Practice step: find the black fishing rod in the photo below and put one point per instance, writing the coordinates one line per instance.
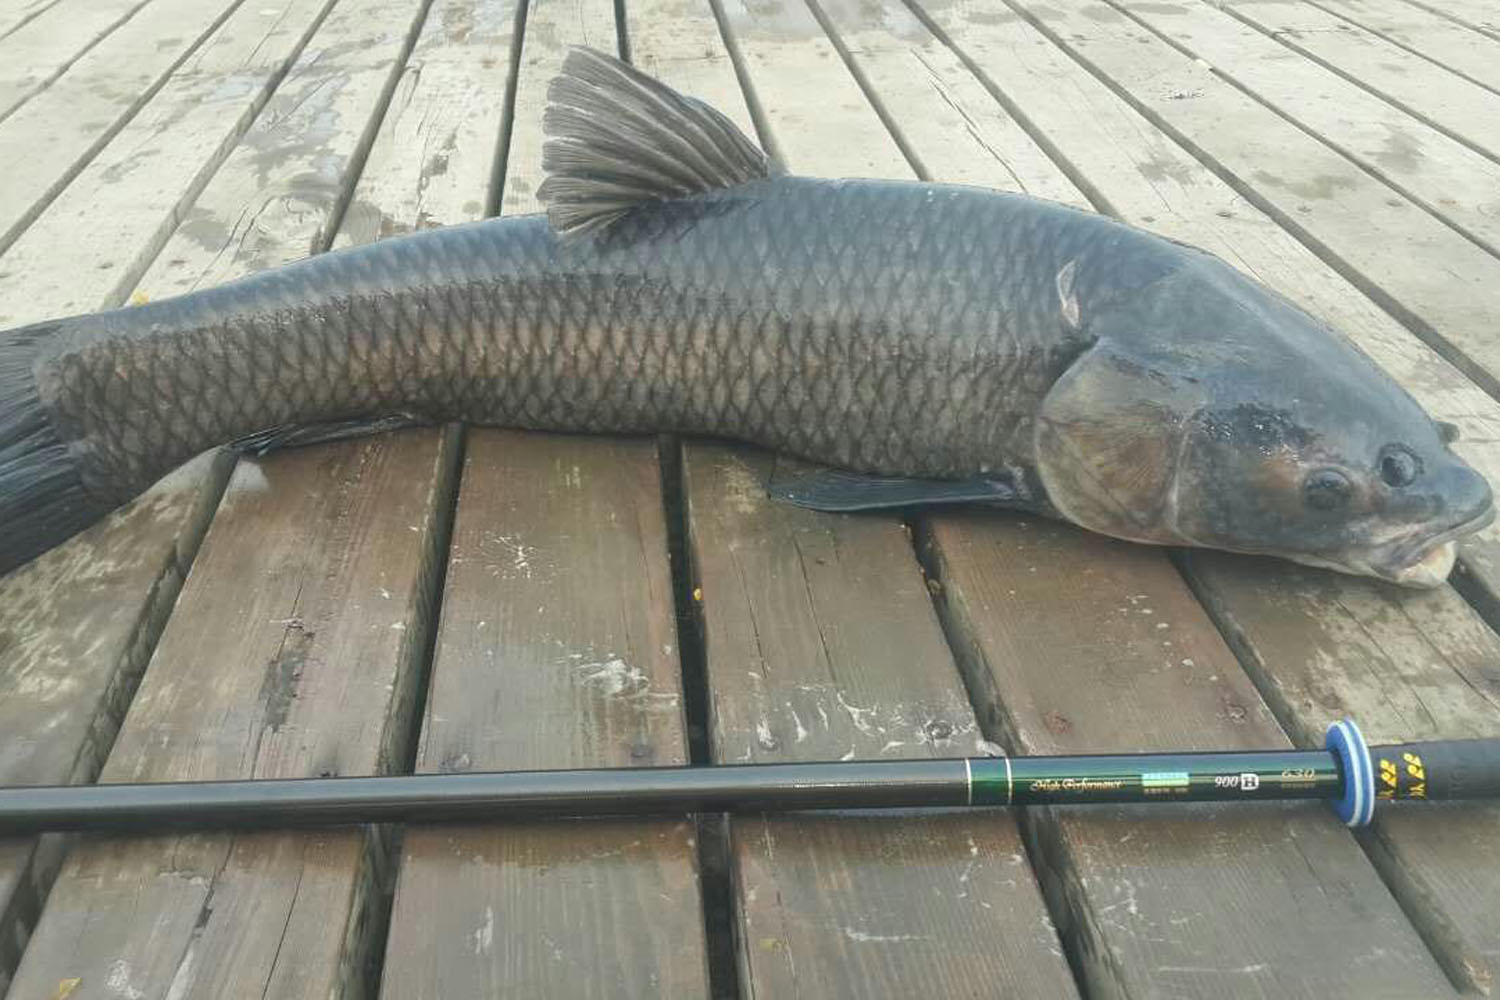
(1347, 772)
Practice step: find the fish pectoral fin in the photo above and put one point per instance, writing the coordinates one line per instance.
(297, 435)
(617, 138)
(841, 490)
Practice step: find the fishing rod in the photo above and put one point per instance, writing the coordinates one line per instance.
(1347, 772)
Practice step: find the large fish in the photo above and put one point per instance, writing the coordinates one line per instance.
(929, 343)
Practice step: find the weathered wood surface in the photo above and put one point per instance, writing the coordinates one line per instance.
(320, 688)
(821, 644)
(551, 26)
(40, 50)
(433, 160)
(1450, 179)
(291, 654)
(557, 648)
(150, 173)
(77, 626)
(1426, 91)
(48, 140)
(1075, 644)
(1407, 667)
(1456, 48)
(1479, 15)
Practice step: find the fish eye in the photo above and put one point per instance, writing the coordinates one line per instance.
(1399, 467)
(1327, 489)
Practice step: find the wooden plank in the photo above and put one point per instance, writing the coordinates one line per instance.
(681, 43)
(1448, 102)
(432, 162)
(321, 688)
(1447, 178)
(557, 649)
(551, 26)
(42, 49)
(1146, 179)
(845, 662)
(18, 13)
(311, 593)
(49, 139)
(199, 118)
(1460, 50)
(802, 85)
(1478, 15)
(1077, 644)
(80, 623)
(557, 646)
(822, 644)
(1377, 241)
(1406, 667)
(950, 123)
(280, 193)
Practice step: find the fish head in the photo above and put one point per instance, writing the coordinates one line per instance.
(1222, 416)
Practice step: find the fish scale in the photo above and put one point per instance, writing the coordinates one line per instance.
(928, 343)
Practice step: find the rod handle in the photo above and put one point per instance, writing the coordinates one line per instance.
(1443, 769)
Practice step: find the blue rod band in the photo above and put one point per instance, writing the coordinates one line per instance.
(1357, 805)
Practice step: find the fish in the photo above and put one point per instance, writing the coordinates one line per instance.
(919, 344)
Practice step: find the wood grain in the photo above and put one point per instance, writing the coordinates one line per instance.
(1144, 177)
(1077, 644)
(1456, 48)
(1398, 144)
(1405, 667)
(42, 49)
(292, 652)
(821, 644)
(48, 140)
(557, 648)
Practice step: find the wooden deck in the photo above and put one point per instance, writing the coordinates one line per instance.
(443, 600)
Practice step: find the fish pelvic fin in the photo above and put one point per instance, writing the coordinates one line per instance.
(617, 138)
(43, 498)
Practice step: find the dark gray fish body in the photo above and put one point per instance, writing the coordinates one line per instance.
(1038, 355)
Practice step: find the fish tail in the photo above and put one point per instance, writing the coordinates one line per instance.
(43, 499)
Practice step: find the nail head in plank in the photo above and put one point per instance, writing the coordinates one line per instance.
(822, 644)
(1078, 644)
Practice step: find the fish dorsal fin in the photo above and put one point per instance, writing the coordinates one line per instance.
(617, 138)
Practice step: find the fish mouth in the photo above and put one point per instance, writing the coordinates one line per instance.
(1426, 561)
(1421, 562)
